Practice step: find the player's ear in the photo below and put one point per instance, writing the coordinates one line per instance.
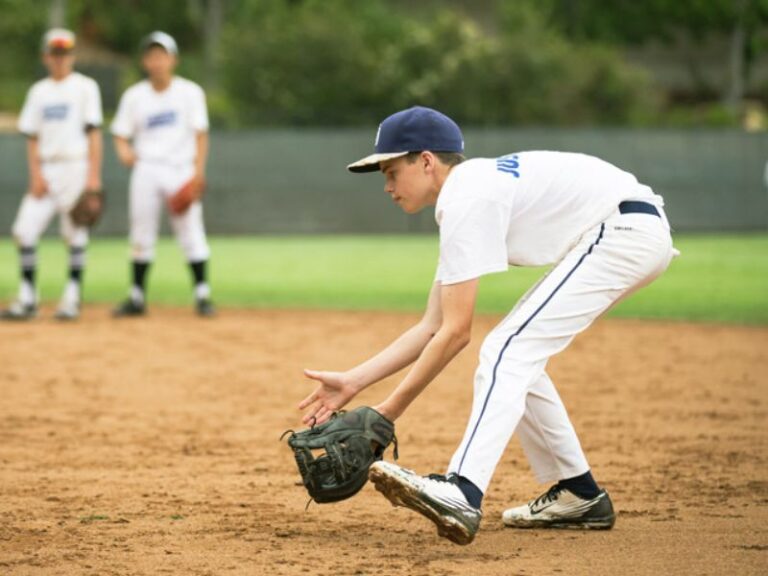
(428, 160)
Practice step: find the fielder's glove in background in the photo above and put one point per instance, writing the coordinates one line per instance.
(185, 196)
(351, 442)
(88, 208)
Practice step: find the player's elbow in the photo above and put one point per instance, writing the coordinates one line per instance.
(459, 335)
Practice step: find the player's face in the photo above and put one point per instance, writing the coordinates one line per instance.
(408, 184)
(158, 63)
(59, 65)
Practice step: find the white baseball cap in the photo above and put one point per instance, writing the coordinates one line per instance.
(162, 39)
(58, 41)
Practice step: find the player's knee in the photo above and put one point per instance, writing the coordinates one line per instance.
(23, 240)
(76, 237)
(142, 252)
(195, 251)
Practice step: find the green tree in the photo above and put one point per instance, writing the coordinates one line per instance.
(743, 22)
(343, 62)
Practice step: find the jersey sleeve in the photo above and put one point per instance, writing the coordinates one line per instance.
(123, 124)
(30, 119)
(93, 116)
(199, 112)
(472, 240)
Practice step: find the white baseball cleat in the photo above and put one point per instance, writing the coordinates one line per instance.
(435, 496)
(67, 311)
(560, 508)
(19, 311)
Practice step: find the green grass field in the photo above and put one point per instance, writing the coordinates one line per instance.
(721, 278)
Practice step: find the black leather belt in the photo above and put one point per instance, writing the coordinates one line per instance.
(637, 207)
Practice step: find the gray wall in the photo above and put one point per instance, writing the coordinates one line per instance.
(294, 181)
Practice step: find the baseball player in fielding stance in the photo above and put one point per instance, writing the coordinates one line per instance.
(61, 119)
(161, 132)
(605, 234)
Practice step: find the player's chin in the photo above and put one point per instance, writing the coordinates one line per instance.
(409, 207)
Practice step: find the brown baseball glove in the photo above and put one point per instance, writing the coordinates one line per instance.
(185, 196)
(88, 208)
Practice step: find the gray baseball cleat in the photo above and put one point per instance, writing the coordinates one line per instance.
(18, 311)
(129, 308)
(435, 496)
(558, 507)
(67, 311)
(205, 308)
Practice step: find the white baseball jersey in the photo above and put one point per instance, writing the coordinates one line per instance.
(524, 209)
(163, 125)
(58, 113)
(536, 208)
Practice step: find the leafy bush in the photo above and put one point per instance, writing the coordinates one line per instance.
(340, 62)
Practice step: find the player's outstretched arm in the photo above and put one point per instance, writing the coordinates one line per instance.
(95, 154)
(124, 151)
(201, 156)
(335, 389)
(458, 307)
(37, 184)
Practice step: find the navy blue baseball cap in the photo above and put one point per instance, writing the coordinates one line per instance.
(412, 130)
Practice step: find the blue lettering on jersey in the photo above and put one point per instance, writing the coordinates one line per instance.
(55, 112)
(162, 119)
(509, 164)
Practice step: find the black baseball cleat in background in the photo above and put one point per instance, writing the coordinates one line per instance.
(558, 507)
(205, 308)
(18, 312)
(130, 308)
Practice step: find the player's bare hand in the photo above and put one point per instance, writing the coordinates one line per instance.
(38, 187)
(332, 394)
(126, 155)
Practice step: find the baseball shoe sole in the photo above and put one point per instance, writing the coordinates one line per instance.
(18, 312)
(67, 313)
(558, 508)
(437, 498)
(129, 309)
(205, 308)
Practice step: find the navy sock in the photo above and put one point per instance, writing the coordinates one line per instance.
(471, 492)
(583, 486)
(140, 275)
(198, 271)
(76, 263)
(28, 258)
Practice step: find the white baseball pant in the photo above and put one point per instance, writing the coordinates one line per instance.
(66, 181)
(512, 391)
(150, 187)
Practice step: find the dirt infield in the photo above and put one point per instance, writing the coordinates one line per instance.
(151, 447)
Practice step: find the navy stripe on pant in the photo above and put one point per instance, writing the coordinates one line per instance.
(519, 330)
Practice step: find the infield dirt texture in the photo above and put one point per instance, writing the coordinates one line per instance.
(151, 447)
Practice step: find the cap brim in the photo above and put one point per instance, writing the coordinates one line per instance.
(152, 43)
(371, 163)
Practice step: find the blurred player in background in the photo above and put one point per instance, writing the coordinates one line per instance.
(62, 120)
(161, 132)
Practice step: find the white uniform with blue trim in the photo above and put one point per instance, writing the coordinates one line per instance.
(532, 209)
(58, 113)
(163, 127)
